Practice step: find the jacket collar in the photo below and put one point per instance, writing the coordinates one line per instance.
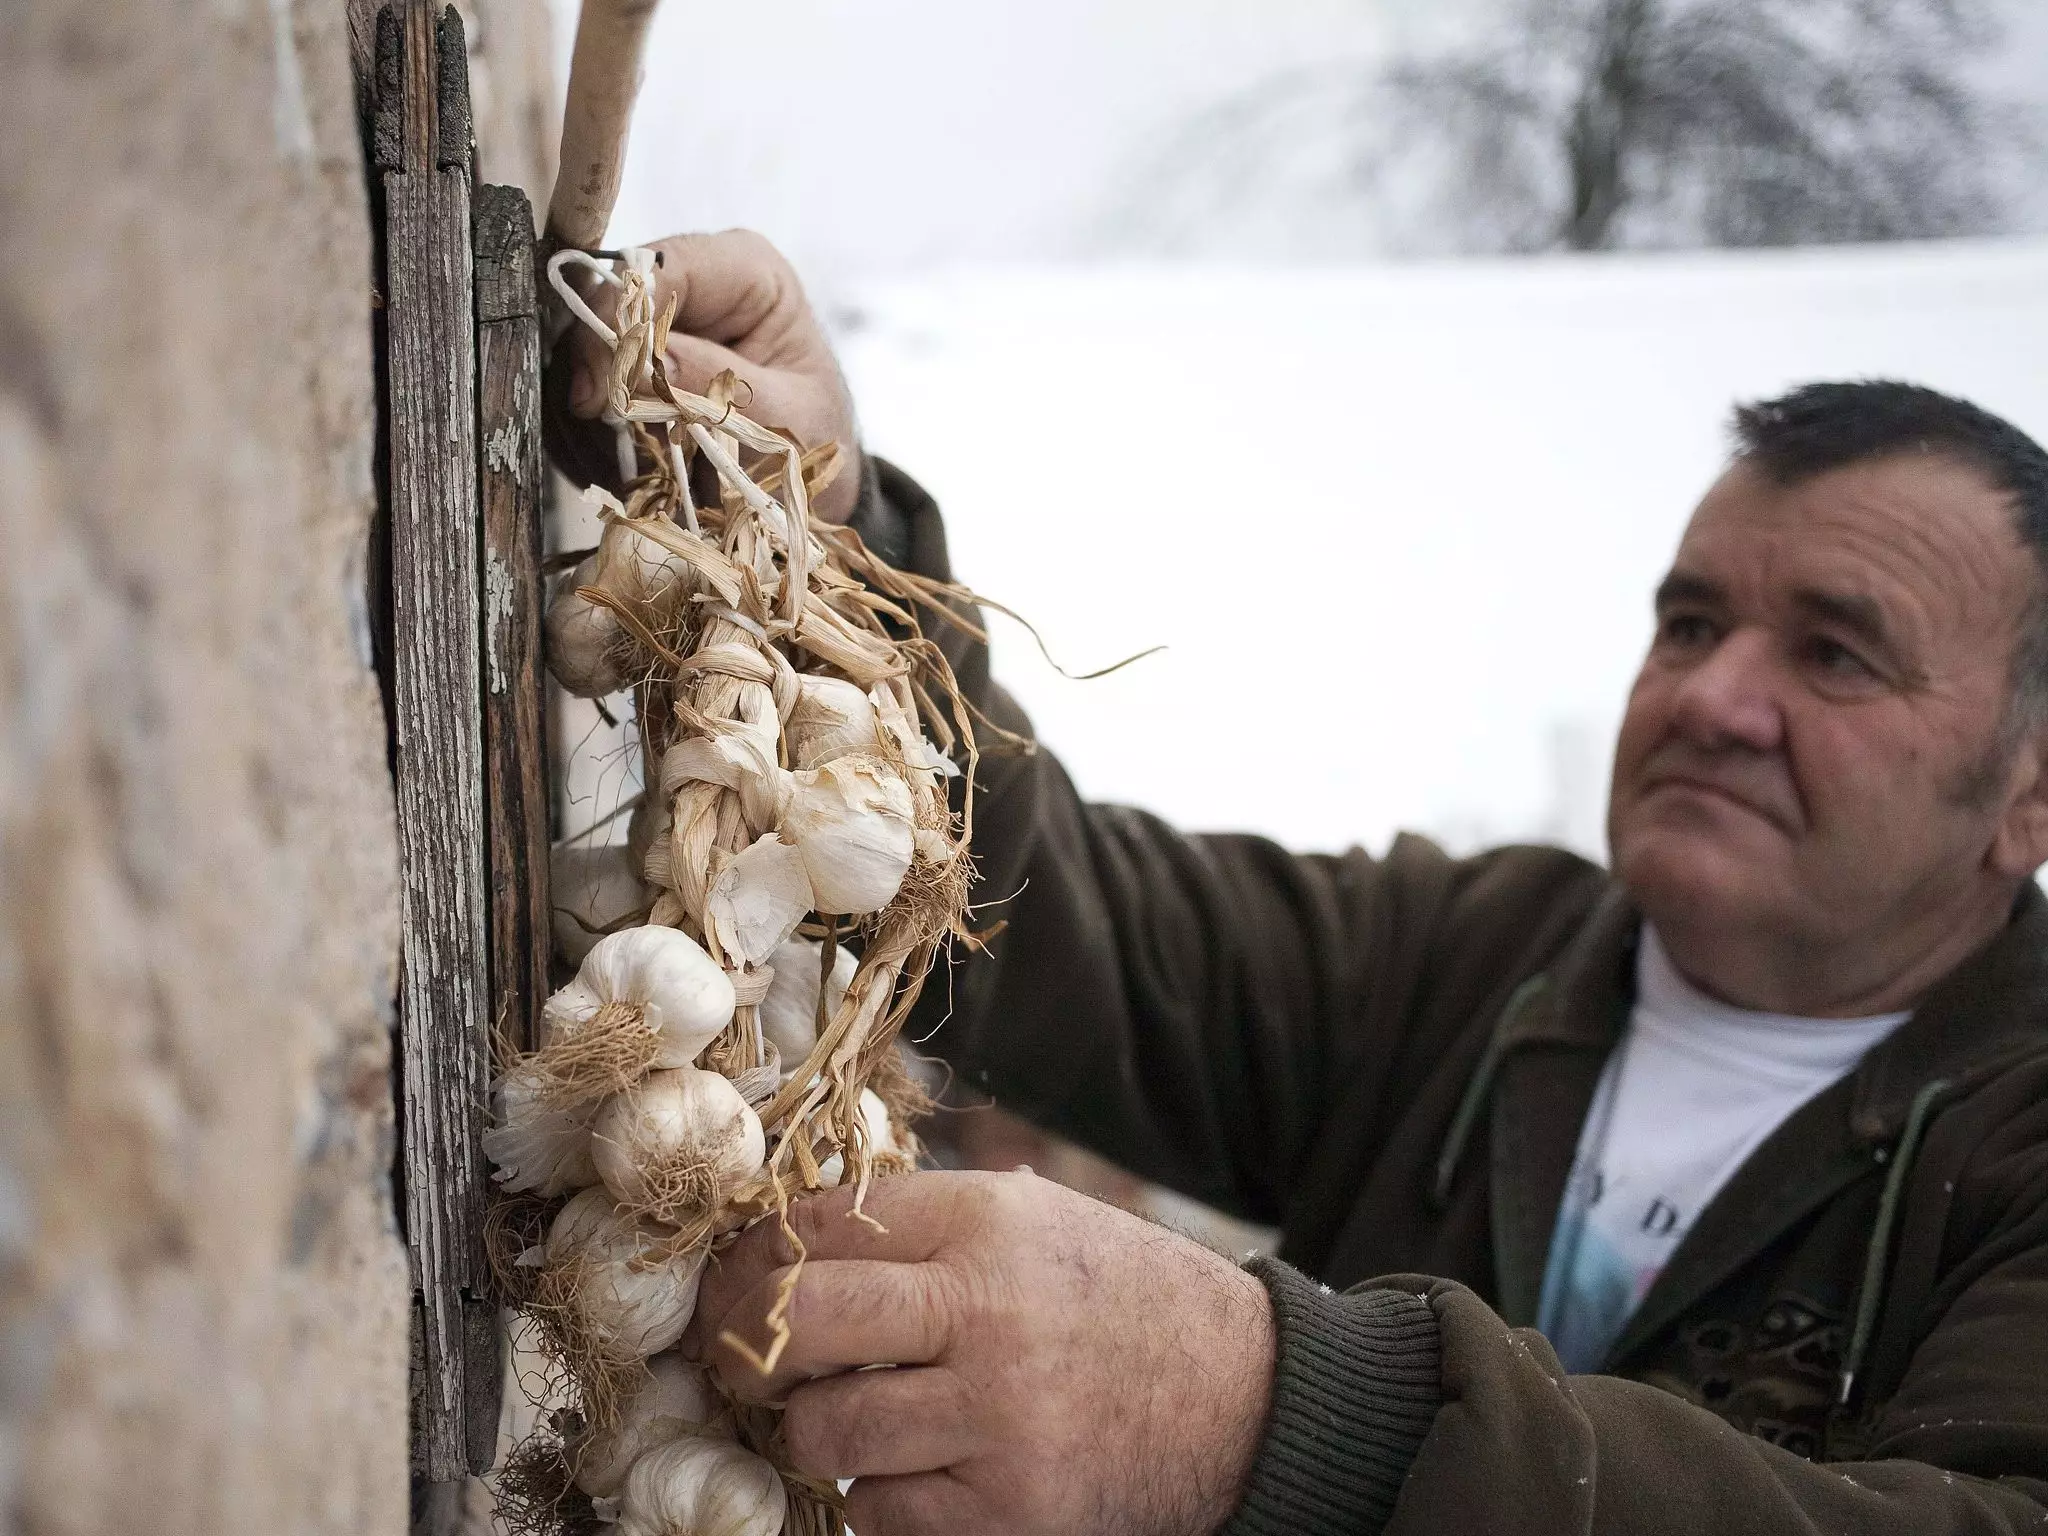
(1552, 1050)
(1987, 1011)
(1990, 1010)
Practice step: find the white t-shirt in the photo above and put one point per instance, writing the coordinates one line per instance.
(1693, 1088)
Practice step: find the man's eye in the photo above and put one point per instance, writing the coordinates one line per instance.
(1837, 660)
(1687, 631)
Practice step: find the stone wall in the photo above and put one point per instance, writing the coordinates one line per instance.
(203, 1297)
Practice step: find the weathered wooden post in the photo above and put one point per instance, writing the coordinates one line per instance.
(463, 481)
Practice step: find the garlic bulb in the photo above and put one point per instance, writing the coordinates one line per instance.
(677, 1143)
(588, 648)
(535, 1146)
(698, 1487)
(853, 822)
(789, 1013)
(613, 1271)
(881, 1134)
(832, 718)
(586, 643)
(677, 1399)
(681, 992)
(594, 889)
(758, 898)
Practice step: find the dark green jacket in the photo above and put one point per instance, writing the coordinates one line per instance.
(1389, 1059)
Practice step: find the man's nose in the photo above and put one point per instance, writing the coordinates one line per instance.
(1731, 698)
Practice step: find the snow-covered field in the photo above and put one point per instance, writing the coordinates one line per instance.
(1397, 526)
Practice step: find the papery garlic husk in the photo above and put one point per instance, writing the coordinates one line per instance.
(758, 898)
(881, 1133)
(682, 994)
(676, 1399)
(535, 1145)
(741, 759)
(789, 1013)
(647, 839)
(676, 1144)
(701, 1487)
(902, 731)
(852, 821)
(832, 719)
(630, 1295)
(594, 888)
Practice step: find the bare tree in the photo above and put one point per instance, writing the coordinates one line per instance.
(1597, 124)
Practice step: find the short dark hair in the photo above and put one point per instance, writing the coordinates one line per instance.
(1819, 427)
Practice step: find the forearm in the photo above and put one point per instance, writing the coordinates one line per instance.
(1509, 1444)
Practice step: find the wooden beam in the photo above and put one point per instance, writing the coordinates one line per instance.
(421, 142)
(514, 690)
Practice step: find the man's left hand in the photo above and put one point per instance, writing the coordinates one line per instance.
(1058, 1365)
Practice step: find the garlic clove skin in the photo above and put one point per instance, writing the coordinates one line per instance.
(677, 1143)
(758, 898)
(832, 719)
(627, 1294)
(789, 1013)
(686, 995)
(677, 1399)
(537, 1148)
(700, 1487)
(594, 888)
(587, 647)
(852, 821)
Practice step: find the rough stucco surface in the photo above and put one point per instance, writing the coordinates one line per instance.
(204, 1294)
(202, 1291)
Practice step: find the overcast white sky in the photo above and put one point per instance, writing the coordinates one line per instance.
(872, 136)
(1398, 525)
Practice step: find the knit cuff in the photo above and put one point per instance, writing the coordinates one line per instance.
(1356, 1386)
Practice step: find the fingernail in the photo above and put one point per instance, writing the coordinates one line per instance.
(582, 392)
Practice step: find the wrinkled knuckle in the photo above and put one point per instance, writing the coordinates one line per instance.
(756, 246)
(819, 1442)
(936, 1305)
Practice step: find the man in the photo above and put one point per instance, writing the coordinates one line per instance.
(1755, 1130)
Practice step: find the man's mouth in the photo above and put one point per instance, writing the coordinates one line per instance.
(1715, 791)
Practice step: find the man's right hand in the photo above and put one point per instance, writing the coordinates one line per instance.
(740, 307)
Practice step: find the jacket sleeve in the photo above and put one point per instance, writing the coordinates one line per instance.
(1408, 1407)
(1174, 1002)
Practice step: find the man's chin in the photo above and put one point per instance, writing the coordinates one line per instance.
(1689, 877)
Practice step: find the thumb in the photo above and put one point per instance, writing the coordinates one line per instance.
(694, 362)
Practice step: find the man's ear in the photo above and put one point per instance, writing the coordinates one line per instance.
(2021, 844)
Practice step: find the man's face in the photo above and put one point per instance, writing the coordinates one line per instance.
(1813, 745)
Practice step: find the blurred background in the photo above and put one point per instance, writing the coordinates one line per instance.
(1368, 355)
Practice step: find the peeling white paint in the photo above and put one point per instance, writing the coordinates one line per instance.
(497, 616)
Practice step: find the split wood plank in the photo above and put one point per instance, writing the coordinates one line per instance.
(514, 689)
(421, 141)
